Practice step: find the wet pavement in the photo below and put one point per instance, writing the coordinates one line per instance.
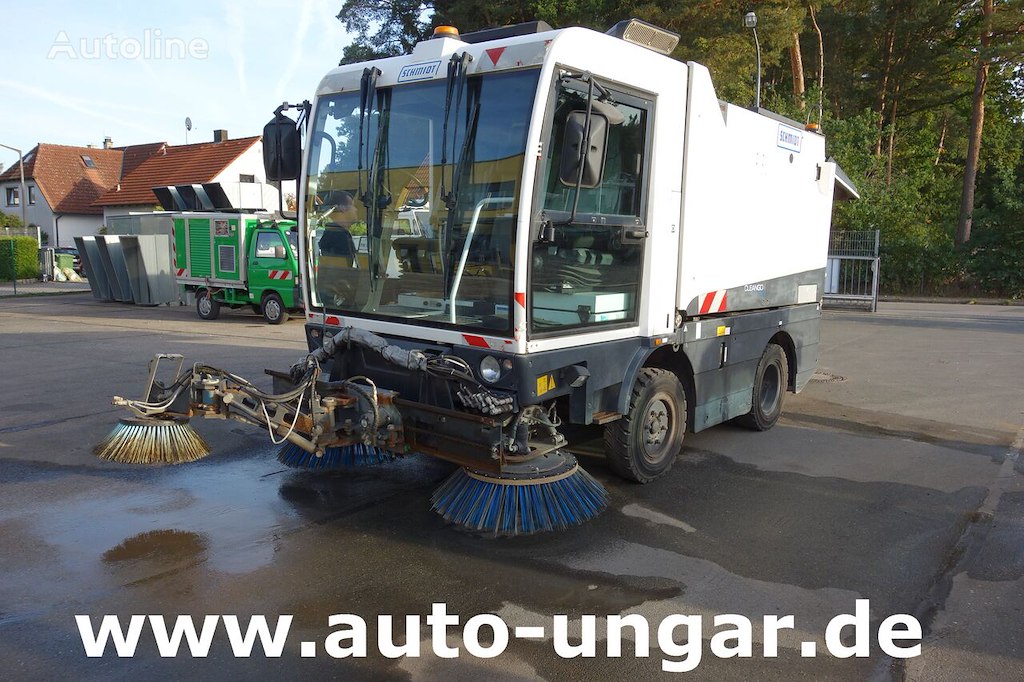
(893, 478)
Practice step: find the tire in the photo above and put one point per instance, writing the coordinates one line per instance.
(207, 307)
(770, 382)
(273, 309)
(644, 443)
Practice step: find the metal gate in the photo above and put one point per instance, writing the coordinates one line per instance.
(851, 275)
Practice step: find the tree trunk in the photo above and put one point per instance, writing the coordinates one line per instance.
(963, 229)
(942, 137)
(797, 63)
(892, 138)
(821, 61)
(890, 40)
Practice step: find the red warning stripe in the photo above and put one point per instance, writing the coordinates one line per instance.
(333, 320)
(478, 341)
(713, 302)
(521, 298)
(482, 342)
(280, 274)
(174, 249)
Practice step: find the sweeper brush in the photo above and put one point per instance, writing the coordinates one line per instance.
(334, 457)
(152, 440)
(518, 478)
(549, 493)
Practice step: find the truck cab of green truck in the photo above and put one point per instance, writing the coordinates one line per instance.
(238, 260)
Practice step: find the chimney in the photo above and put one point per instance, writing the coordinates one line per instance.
(220, 135)
(108, 143)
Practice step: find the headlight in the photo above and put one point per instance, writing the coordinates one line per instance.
(490, 369)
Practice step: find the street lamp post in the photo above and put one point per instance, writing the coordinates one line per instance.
(23, 196)
(21, 200)
(750, 21)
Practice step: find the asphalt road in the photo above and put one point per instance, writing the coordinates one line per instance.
(892, 478)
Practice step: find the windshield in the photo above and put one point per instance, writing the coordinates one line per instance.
(421, 222)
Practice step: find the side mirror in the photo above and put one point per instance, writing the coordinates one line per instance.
(282, 149)
(572, 143)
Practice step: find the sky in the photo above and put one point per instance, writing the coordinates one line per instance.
(76, 72)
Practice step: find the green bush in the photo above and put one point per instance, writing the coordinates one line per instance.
(9, 220)
(19, 257)
(995, 256)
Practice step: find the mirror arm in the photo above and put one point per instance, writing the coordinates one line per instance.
(547, 231)
(584, 148)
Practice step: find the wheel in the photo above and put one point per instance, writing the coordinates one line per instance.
(643, 444)
(770, 381)
(207, 307)
(273, 308)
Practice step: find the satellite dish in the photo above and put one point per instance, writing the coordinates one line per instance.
(188, 123)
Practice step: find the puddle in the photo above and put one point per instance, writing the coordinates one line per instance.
(220, 514)
(158, 546)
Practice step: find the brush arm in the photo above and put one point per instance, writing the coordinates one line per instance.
(406, 359)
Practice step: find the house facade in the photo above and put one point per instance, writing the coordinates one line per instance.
(72, 191)
(61, 184)
(237, 164)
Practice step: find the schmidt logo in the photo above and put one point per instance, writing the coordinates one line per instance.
(418, 72)
(790, 138)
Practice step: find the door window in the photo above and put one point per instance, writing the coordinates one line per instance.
(269, 245)
(587, 262)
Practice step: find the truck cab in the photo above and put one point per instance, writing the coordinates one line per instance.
(238, 260)
(273, 269)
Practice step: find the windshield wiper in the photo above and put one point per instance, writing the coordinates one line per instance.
(455, 83)
(376, 197)
(451, 199)
(367, 93)
(379, 198)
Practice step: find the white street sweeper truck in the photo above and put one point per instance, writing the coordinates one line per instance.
(508, 231)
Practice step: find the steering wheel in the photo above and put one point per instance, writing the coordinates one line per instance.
(415, 187)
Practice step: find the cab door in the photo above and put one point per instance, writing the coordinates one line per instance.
(271, 267)
(587, 264)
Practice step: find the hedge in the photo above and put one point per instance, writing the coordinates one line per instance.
(19, 256)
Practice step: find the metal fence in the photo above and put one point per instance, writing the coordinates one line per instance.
(19, 232)
(851, 275)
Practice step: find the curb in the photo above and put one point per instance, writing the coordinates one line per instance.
(961, 300)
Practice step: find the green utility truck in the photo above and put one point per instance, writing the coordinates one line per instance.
(236, 260)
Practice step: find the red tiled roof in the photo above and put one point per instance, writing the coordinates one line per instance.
(67, 184)
(182, 165)
(136, 154)
(12, 173)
